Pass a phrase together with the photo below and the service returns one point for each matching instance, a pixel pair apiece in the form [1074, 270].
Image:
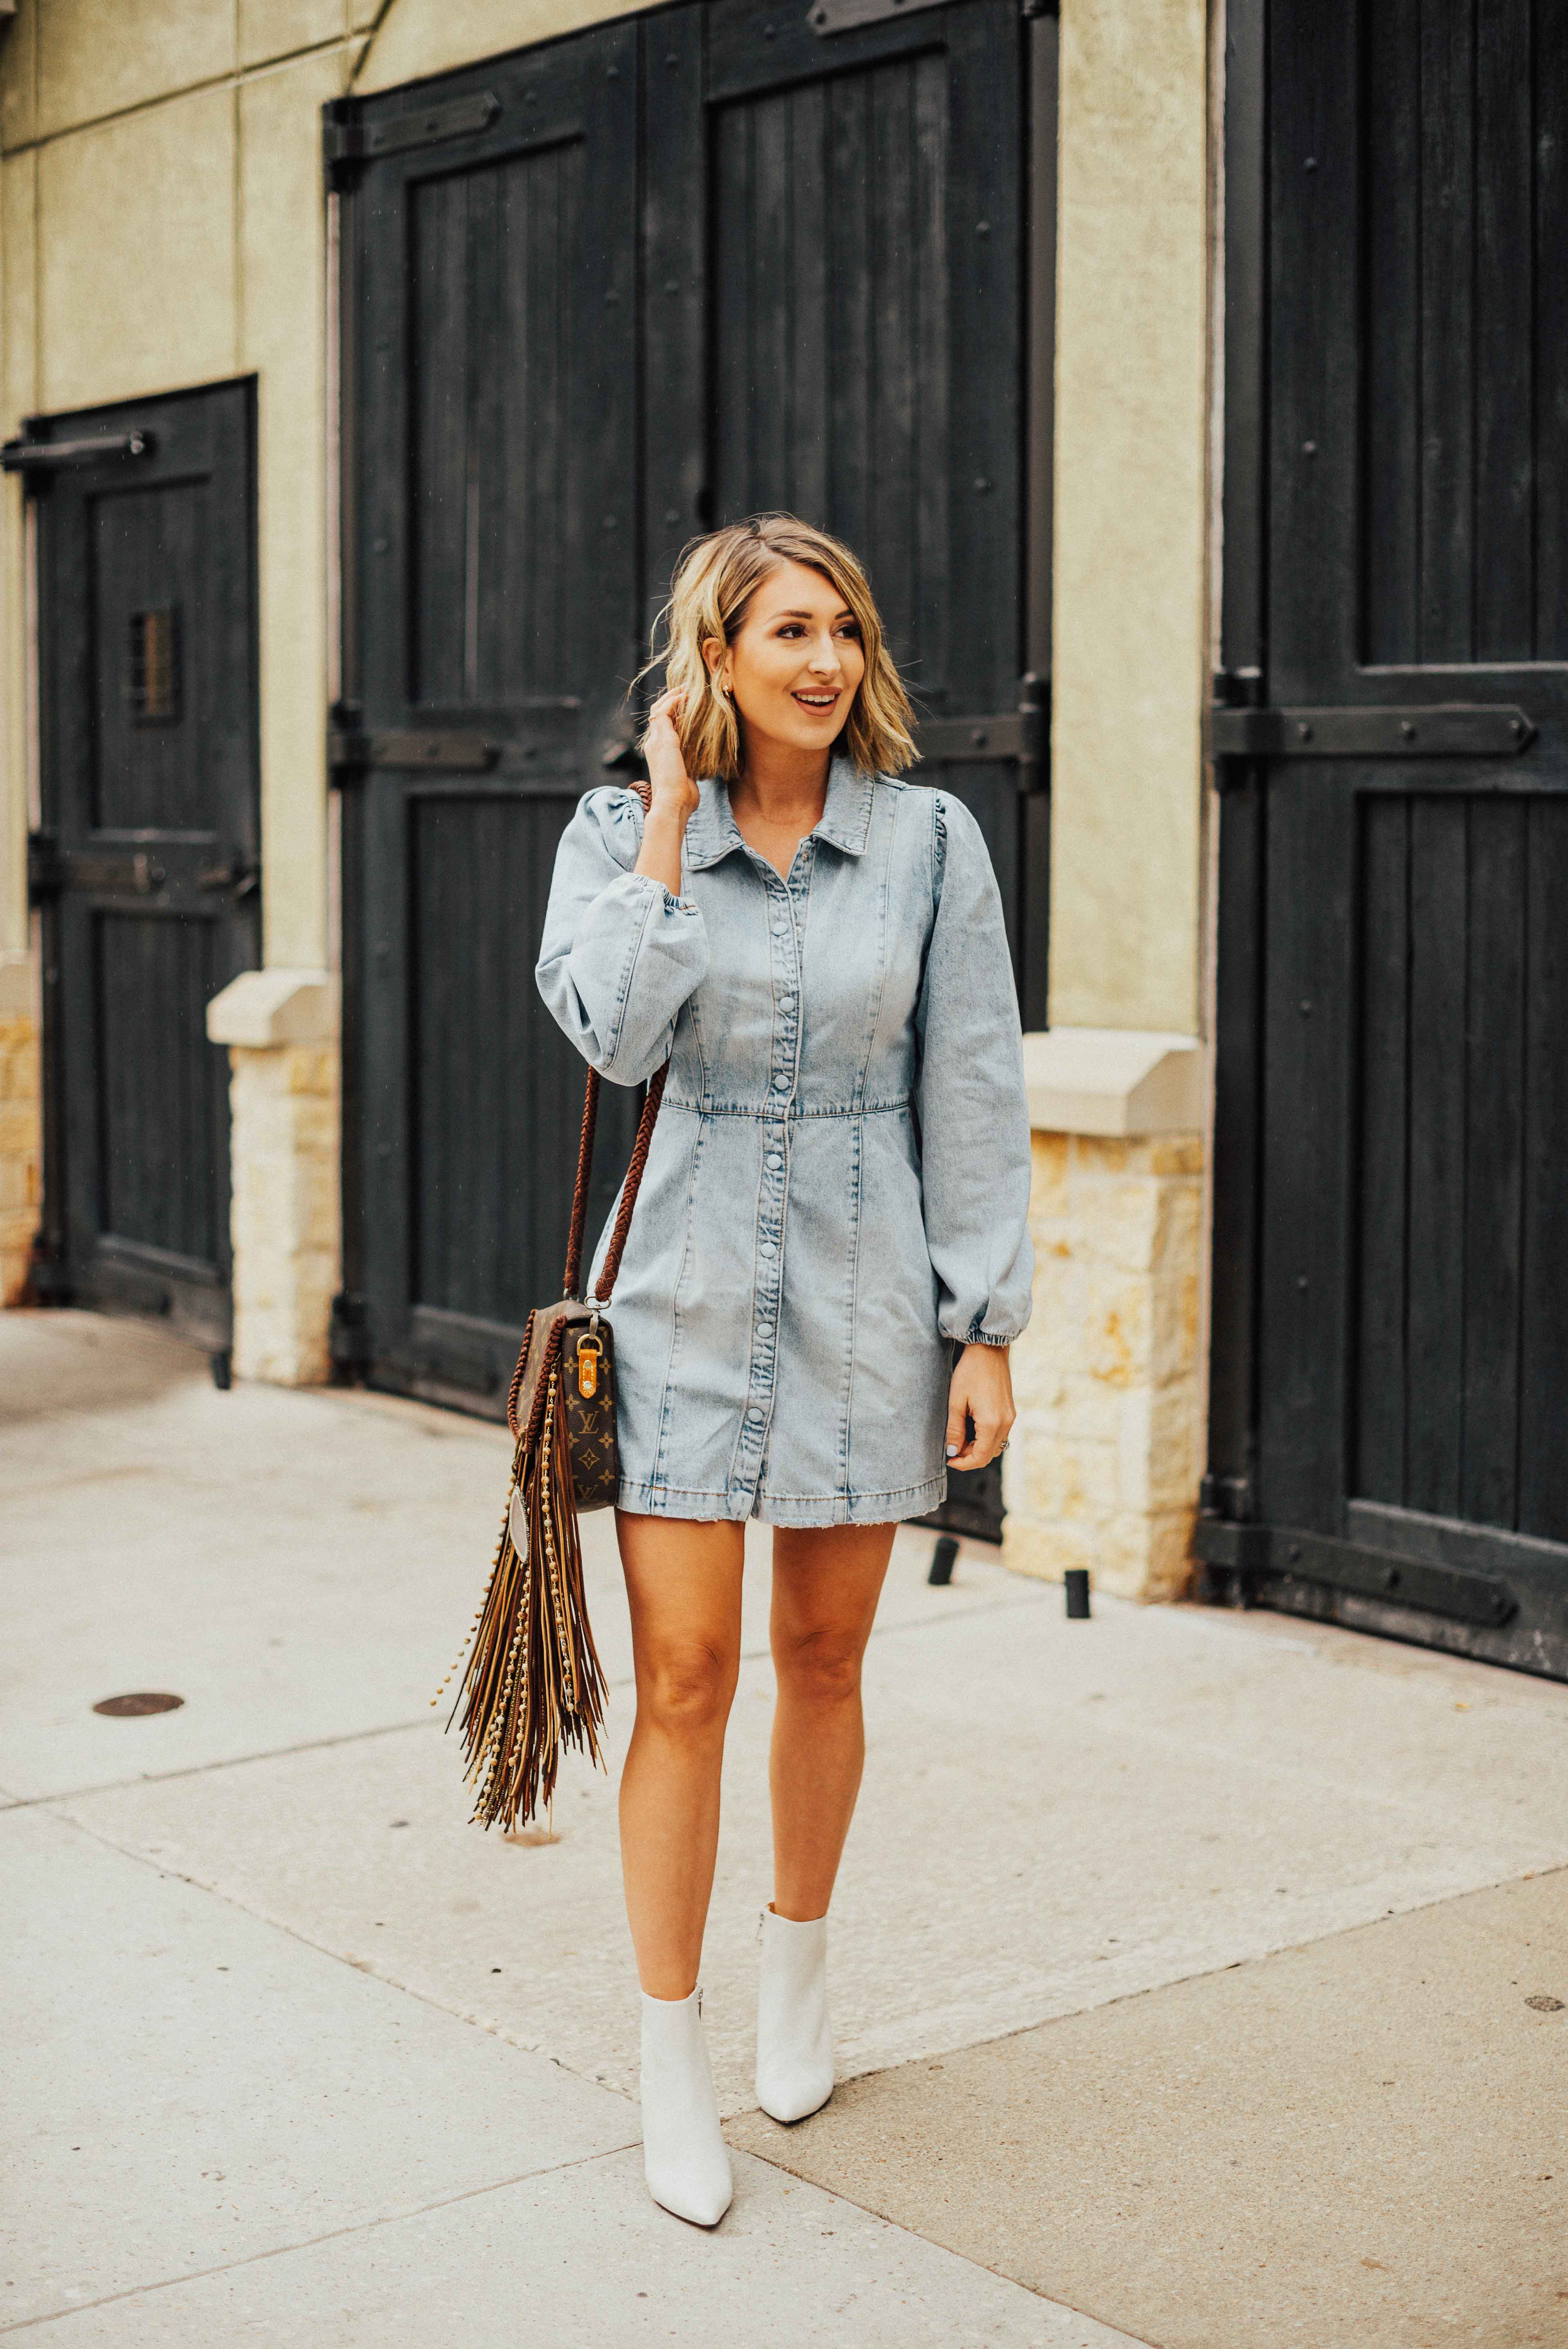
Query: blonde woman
[830, 1254]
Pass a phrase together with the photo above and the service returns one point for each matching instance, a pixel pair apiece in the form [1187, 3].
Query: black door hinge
[1242, 1555]
[1021, 734]
[1458, 730]
[347, 141]
[351, 752]
[35, 460]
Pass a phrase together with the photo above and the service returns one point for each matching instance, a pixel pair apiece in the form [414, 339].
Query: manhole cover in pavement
[140, 1701]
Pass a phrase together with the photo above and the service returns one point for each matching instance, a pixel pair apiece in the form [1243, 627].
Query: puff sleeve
[619, 956]
[970, 1096]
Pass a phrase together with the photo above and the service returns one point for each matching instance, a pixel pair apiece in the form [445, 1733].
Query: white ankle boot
[794, 2042]
[685, 2158]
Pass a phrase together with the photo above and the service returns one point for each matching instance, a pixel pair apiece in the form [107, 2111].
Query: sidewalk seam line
[310, 2242]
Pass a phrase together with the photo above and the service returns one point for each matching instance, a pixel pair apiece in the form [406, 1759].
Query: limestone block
[264, 1008]
[21, 1151]
[1113, 1080]
[1074, 1480]
[284, 1214]
[1118, 1328]
[1173, 1327]
[137, 246]
[1029, 1546]
[1049, 1195]
[1104, 1463]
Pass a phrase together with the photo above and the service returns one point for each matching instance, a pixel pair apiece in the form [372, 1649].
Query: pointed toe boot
[685, 2158]
[794, 2040]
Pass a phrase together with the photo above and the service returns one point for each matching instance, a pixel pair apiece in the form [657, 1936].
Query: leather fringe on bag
[533, 1682]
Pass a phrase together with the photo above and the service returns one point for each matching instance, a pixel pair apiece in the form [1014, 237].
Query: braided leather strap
[579, 1188]
[629, 1188]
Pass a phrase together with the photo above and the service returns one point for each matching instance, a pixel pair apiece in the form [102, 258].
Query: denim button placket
[781, 1078]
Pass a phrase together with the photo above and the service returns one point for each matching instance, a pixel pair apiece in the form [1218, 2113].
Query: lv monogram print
[591, 1418]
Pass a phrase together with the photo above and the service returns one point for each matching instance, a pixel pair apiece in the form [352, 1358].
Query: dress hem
[641, 1498]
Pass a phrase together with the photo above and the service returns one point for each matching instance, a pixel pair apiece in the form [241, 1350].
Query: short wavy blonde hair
[710, 595]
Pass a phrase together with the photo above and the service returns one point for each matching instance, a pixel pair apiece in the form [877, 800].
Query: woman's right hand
[673, 791]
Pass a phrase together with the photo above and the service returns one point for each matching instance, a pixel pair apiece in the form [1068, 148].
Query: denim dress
[838, 1190]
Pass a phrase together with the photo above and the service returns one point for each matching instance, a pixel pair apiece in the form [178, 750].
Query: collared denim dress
[838, 1188]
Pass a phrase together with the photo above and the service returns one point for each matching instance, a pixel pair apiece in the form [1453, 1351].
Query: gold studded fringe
[533, 1680]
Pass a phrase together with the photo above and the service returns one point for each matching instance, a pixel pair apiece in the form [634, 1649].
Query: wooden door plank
[439, 373]
[1550, 333]
[1315, 359]
[1506, 296]
[1543, 1330]
[1440, 958]
[1306, 1143]
[1447, 333]
[673, 455]
[1382, 1274]
[1494, 1109]
[1392, 494]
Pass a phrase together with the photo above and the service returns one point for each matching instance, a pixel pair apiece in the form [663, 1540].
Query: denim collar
[713, 834]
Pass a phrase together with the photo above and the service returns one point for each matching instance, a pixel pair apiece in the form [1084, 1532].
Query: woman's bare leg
[683, 1581]
[827, 1581]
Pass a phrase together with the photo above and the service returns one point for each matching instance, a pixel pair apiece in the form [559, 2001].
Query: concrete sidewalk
[1178, 2002]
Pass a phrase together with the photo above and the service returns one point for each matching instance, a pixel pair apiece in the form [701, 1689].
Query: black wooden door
[492, 390]
[147, 865]
[839, 207]
[1394, 890]
[598, 296]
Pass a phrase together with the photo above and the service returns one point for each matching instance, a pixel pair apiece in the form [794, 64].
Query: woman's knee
[821, 1666]
[687, 1689]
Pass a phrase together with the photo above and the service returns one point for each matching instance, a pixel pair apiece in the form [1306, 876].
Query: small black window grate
[152, 666]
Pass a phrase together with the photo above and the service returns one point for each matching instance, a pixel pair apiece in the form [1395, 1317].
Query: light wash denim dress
[838, 1190]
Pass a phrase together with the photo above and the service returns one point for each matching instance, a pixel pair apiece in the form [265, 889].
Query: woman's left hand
[981, 1392]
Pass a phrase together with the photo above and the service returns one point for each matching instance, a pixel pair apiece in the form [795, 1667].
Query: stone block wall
[21, 1151]
[285, 1121]
[1104, 1463]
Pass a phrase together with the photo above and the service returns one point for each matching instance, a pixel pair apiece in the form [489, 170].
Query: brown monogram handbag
[533, 1680]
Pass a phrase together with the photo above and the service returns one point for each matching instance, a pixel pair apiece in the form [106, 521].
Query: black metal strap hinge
[351, 751]
[1248, 1552]
[1021, 734]
[33, 457]
[348, 140]
[1455, 730]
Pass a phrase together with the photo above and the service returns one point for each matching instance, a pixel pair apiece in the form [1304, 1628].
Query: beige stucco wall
[1131, 515]
[162, 225]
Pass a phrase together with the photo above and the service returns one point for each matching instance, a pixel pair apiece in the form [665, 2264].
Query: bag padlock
[590, 1359]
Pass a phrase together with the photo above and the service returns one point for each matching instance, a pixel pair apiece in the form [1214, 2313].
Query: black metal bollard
[942, 1561]
[1077, 1581]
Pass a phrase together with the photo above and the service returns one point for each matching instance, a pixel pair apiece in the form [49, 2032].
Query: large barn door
[838, 220]
[581, 330]
[1395, 924]
[492, 389]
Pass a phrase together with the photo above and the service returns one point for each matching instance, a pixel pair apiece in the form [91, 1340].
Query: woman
[835, 1205]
